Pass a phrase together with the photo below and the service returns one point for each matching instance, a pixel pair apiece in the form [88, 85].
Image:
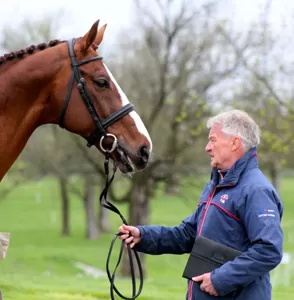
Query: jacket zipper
[205, 211]
[200, 229]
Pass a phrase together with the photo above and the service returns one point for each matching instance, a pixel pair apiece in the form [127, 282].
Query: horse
[67, 83]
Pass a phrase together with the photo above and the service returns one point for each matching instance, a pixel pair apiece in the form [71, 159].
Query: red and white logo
[224, 198]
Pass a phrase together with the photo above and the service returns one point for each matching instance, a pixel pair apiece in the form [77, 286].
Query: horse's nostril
[144, 153]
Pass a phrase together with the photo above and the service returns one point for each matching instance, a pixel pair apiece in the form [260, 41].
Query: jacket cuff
[141, 246]
[218, 283]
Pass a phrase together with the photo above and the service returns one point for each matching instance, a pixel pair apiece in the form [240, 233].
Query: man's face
[220, 148]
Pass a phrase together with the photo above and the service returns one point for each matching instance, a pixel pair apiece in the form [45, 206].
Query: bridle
[96, 136]
[99, 132]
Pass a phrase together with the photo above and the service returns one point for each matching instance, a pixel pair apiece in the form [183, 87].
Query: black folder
[207, 255]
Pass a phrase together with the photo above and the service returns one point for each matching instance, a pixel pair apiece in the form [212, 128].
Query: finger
[129, 240]
[211, 291]
[131, 245]
[123, 229]
[127, 227]
[123, 236]
[198, 278]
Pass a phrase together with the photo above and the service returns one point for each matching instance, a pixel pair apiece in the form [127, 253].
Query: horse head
[86, 99]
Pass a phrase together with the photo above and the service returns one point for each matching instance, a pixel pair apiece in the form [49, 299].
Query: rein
[105, 203]
[97, 136]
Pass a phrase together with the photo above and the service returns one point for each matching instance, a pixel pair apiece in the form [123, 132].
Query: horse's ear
[100, 35]
[89, 38]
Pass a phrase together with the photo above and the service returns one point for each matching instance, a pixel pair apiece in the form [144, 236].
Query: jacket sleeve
[261, 213]
[173, 240]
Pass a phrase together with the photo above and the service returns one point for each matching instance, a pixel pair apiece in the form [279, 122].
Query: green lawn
[39, 264]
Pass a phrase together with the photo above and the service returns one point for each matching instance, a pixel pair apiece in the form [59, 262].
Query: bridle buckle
[114, 144]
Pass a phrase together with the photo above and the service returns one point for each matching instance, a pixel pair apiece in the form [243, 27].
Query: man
[238, 208]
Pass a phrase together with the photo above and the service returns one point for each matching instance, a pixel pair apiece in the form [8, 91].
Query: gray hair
[238, 123]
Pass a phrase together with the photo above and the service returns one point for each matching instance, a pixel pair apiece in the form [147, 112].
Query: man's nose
[208, 148]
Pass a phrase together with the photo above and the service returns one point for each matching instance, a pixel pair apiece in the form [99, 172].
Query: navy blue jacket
[240, 210]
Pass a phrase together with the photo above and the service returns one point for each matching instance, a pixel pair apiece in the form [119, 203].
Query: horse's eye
[102, 83]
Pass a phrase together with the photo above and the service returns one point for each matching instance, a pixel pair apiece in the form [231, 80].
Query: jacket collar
[246, 162]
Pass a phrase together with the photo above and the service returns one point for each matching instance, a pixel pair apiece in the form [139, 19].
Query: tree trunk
[65, 231]
[92, 231]
[103, 213]
[103, 219]
[138, 215]
[275, 174]
[172, 184]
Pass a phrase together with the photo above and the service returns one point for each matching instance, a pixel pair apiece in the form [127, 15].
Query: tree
[33, 31]
[264, 91]
[168, 70]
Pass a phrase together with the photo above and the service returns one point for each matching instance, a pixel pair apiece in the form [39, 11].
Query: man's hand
[130, 234]
[206, 285]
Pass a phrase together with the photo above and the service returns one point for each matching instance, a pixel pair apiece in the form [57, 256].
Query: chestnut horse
[67, 83]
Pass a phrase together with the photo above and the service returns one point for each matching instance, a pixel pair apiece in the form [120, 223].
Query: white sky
[244, 11]
[81, 14]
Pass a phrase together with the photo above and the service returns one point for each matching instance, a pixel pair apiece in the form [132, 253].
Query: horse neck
[24, 94]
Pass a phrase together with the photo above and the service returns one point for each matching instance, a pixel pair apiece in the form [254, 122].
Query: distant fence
[284, 273]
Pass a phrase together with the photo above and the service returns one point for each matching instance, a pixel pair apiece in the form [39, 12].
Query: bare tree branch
[166, 61]
[7, 190]
[86, 153]
[147, 13]
[74, 190]
[257, 75]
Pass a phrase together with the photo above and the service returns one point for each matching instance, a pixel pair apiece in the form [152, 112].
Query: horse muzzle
[128, 161]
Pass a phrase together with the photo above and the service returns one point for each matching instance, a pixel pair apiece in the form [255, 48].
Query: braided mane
[29, 50]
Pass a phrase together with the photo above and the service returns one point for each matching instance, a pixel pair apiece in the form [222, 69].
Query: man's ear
[236, 143]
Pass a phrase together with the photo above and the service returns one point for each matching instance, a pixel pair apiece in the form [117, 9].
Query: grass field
[39, 264]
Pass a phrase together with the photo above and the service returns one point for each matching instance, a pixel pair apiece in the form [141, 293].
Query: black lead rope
[105, 203]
